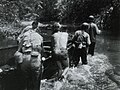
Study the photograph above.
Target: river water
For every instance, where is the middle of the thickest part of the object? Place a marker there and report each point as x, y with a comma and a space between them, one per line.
109, 44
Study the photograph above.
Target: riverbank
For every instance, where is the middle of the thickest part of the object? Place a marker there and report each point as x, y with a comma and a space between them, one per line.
86, 77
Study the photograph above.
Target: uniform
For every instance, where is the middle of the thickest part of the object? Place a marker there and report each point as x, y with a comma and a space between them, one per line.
29, 57
59, 48
93, 31
81, 40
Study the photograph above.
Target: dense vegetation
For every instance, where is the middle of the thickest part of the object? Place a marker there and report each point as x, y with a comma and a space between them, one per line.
64, 11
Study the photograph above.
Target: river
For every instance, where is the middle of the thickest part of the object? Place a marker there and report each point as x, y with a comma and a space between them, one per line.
109, 44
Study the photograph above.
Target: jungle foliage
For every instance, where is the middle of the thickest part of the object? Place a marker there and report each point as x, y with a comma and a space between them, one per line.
64, 11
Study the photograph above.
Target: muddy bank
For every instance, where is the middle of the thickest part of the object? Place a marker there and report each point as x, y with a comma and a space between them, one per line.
86, 77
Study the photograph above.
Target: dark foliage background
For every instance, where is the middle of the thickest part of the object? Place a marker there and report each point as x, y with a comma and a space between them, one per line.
64, 11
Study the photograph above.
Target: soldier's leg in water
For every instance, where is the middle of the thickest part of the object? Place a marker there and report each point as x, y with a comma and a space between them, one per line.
84, 55
71, 52
65, 64
59, 68
91, 48
35, 80
77, 57
29, 83
35, 69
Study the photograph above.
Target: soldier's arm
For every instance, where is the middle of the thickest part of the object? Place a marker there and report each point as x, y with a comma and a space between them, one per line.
97, 29
88, 40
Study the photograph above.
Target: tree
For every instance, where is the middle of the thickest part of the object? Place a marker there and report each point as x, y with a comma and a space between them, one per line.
48, 11
77, 11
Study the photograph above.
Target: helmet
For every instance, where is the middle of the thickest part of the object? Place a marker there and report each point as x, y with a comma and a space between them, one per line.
56, 25
91, 18
84, 26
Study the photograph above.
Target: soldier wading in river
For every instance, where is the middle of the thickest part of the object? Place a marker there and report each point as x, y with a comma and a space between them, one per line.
93, 31
28, 56
81, 40
59, 48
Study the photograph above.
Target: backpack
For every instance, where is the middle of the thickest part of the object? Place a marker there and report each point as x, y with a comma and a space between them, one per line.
81, 41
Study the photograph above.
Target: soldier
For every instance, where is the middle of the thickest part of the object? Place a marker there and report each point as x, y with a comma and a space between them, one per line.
81, 40
59, 48
28, 56
92, 31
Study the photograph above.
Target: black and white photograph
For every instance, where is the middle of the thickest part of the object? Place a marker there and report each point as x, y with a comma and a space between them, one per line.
59, 44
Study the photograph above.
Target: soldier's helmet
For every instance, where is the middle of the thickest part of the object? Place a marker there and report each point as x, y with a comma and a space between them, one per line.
91, 18
56, 26
84, 26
